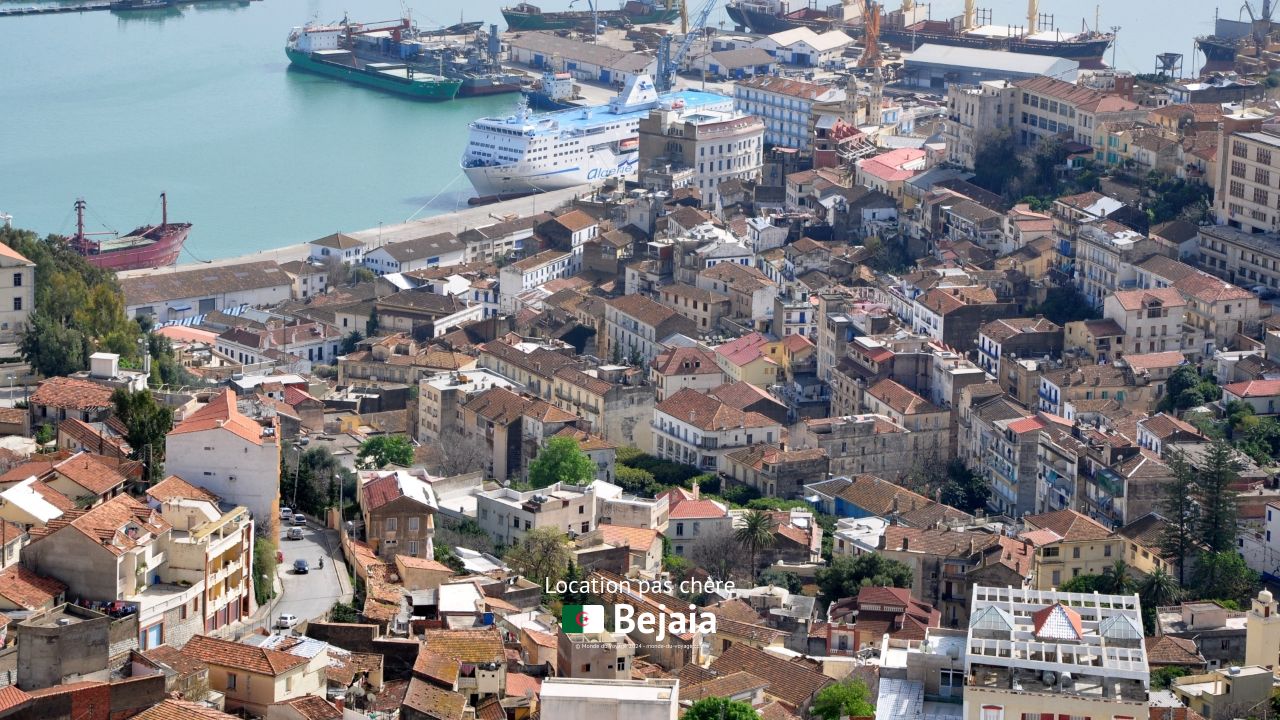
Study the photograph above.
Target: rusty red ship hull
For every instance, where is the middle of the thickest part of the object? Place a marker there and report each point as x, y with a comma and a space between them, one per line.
145, 247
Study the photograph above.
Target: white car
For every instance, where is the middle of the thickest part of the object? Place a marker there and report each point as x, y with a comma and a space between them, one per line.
299, 519
286, 621
295, 533
285, 513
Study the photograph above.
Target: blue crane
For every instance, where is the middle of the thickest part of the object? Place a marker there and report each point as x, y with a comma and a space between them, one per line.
668, 63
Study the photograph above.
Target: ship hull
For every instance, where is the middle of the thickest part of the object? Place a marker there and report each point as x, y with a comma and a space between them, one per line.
512, 180
162, 252
478, 86
1219, 54
539, 100
435, 91
517, 21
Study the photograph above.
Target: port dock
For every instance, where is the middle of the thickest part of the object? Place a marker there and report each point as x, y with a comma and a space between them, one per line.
52, 9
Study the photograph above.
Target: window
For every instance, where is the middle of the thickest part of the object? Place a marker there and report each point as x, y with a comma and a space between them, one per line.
288, 684
1263, 156
17, 279
231, 681
1237, 168
992, 712
17, 303
413, 548
1050, 552
390, 524
1238, 149
1106, 551
1236, 189
413, 523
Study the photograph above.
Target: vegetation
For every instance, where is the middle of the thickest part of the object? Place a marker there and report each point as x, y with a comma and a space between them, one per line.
561, 461
147, 422
847, 698
964, 489
384, 450
1063, 305
264, 569
846, 575
716, 708
1037, 173
444, 554
350, 341
466, 533
343, 613
755, 533
542, 556
1179, 508
664, 472
887, 255
1115, 580
1217, 522
1163, 677
1176, 198
1187, 389
779, 578
635, 480
1158, 589
739, 494
1224, 576
315, 480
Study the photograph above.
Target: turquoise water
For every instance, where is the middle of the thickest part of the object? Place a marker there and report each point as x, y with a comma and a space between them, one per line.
199, 103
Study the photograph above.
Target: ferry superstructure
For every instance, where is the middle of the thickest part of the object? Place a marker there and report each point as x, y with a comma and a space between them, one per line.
532, 152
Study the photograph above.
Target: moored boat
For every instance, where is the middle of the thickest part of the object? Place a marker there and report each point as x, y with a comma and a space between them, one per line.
527, 16
145, 247
317, 49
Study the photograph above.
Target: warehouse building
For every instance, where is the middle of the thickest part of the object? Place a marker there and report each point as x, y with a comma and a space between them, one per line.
585, 61
935, 67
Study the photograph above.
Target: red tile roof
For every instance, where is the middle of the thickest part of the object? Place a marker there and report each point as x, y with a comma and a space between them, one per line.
1253, 388
709, 414
224, 653
221, 412
175, 487
72, 393
26, 589
1069, 525
901, 398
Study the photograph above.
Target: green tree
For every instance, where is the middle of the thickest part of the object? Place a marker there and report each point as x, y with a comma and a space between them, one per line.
1118, 580
718, 708
847, 698
1223, 575
444, 554
350, 341
779, 578
1084, 583
45, 434
996, 167
384, 450
1063, 305
574, 596
755, 533
147, 423
1158, 589
561, 461
964, 489
1215, 475
264, 568
846, 575
542, 556
1179, 508
1163, 677
635, 480
343, 613
314, 479
52, 349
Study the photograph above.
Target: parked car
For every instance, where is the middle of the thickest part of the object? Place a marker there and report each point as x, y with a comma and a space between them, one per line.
285, 513
300, 566
299, 519
295, 533
286, 620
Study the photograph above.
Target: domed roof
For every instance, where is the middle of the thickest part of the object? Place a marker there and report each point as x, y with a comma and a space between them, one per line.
1265, 596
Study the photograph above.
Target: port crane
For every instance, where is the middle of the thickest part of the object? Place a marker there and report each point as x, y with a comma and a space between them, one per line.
669, 63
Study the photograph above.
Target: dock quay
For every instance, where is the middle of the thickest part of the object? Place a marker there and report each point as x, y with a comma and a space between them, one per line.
454, 222
52, 9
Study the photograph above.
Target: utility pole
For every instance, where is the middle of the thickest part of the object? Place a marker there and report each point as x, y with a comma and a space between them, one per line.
1115, 33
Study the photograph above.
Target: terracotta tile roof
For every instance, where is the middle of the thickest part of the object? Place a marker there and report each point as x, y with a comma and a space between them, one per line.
26, 589
1103, 328
741, 278
785, 86
724, 686
72, 393
175, 487
776, 711
709, 414
312, 707
642, 309
107, 524
1151, 361
685, 361
418, 563
1163, 426
86, 470
53, 497
632, 537
520, 685
221, 412
1147, 531
434, 702
752, 631
544, 411
734, 610
380, 492
170, 709
746, 349
1027, 424
12, 254
338, 241
224, 653
1138, 299
943, 543
575, 220
468, 645
789, 682
741, 394
881, 497
12, 697
102, 440
498, 405
901, 399
1069, 525
174, 658
1253, 388
1002, 330
577, 378
1170, 650
586, 441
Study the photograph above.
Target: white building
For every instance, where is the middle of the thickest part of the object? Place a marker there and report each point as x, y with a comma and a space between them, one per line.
439, 250
786, 106
528, 274
172, 294
697, 429
338, 246
508, 514
802, 46
585, 699
17, 292
714, 145
231, 455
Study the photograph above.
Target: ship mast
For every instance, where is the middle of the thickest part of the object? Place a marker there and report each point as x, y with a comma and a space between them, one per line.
164, 211
79, 218
1033, 15
970, 13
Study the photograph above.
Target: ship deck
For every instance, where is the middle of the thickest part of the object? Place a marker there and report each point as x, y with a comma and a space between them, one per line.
594, 115
124, 243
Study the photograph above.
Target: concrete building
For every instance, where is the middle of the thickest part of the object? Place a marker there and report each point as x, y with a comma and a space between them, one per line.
684, 367
231, 455
1152, 320
889, 172
858, 444
713, 145
399, 514
337, 247
17, 293
583, 60
1262, 632
508, 514
254, 678
1027, 650
529, 273
1048, 107
596, 656
1244, 195
635, 326
582, 699
173, 294
939, 67
1225, 693
442, 395
806, 48
775, 472
1221, 635
1017, 337
786, 106
697, 429
693, 519
207, 546
975, 113
439, 250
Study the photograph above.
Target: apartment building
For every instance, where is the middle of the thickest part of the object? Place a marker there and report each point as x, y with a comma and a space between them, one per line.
527, 274
570, 231
252, 679
858, 444
17, 293
1047, 107
693, 518
786, 106
231, 455
1068, 545
500, 240
442, 395
1245, 193
1028, 650
682, 148
635, 326
698, 429
508, 514
1107, 255
1017, 337
399, 514
703, 307
1152, 320
684, 367
611, 401
974, 113
210, 547
601, 656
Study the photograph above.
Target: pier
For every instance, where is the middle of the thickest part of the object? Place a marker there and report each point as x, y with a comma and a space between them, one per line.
52, 9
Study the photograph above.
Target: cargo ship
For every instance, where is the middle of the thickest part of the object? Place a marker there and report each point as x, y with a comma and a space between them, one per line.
126, 5
555, 91
317, 49
909, 28
145, 247
535, 152
473, 62
526, 16
1234, 40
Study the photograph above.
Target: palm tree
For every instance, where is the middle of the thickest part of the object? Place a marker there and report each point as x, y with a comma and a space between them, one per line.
755, 532
1119, 581
1159, 589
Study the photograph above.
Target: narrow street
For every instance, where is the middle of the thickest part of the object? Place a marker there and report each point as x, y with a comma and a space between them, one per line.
309, 595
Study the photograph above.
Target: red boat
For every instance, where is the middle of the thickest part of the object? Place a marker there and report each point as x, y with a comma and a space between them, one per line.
145, 247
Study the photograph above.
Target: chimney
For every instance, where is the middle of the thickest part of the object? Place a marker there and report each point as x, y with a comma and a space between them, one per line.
696, 493
340, 702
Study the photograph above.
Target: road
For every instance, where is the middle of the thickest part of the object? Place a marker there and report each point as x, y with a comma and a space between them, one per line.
311, 595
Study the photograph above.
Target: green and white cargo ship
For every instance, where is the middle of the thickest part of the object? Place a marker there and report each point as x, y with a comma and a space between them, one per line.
322, 49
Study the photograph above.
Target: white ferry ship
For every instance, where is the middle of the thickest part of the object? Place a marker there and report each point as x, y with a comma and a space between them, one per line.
532, 152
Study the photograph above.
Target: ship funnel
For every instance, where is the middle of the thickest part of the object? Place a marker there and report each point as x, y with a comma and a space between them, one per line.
1033, 15
970, 13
